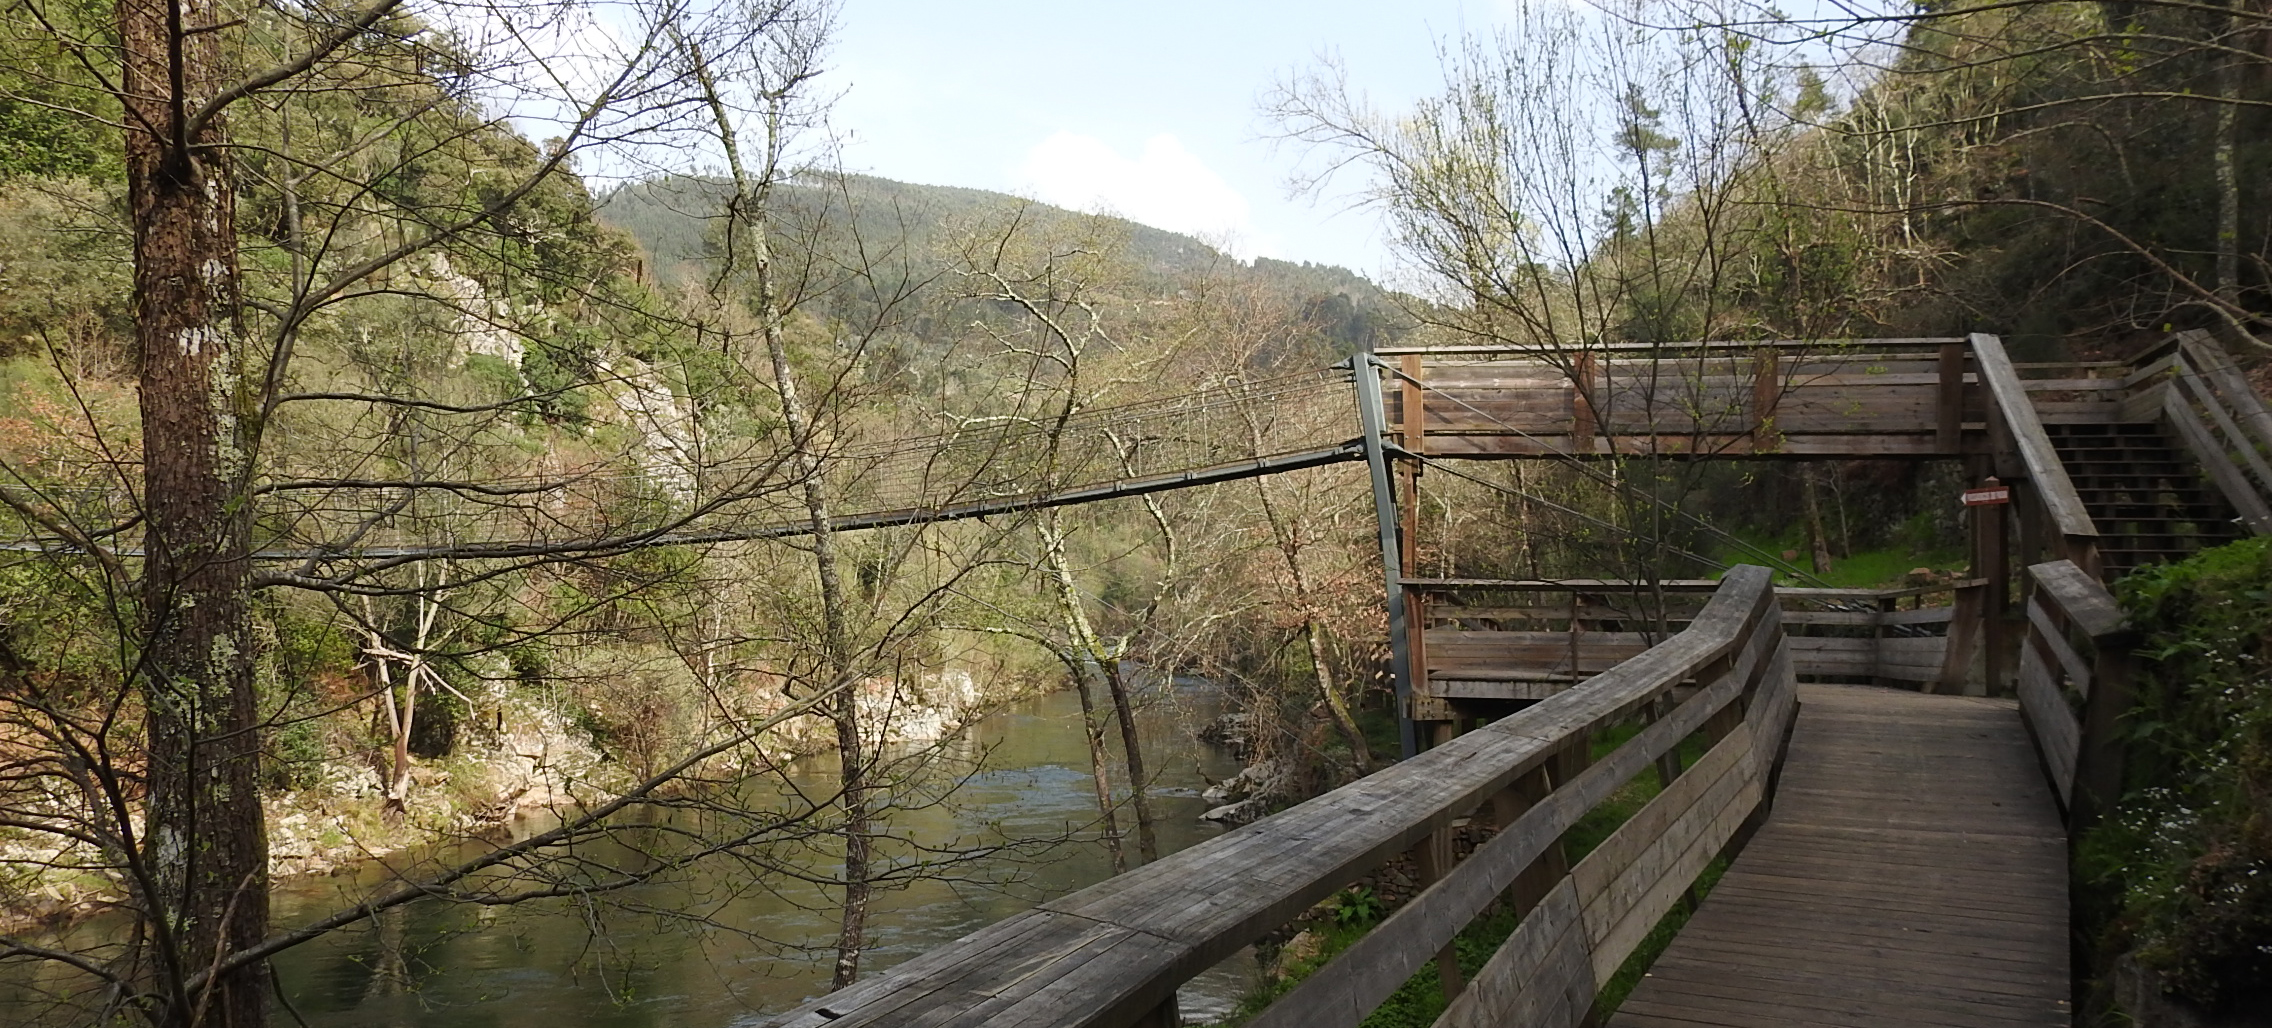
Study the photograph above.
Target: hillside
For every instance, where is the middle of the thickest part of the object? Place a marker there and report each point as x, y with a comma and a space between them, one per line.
672, 219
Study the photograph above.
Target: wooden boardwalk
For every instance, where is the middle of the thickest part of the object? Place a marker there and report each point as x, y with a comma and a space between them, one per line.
1912, 873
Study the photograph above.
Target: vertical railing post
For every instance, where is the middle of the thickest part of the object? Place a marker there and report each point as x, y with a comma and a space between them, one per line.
1411, 438
1948, 428
1365, 374
1766, 391
2098, 756
1991, 560
1583, 423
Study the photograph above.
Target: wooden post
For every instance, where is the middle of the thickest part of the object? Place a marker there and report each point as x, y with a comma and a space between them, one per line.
1432, 857
2083, 550
1668, 762
1416, 643
1766, 389
1412, 420
1411, 434
1991, 561
1582, 422
1965, 624
1535, 881
2098, 760
2028, 521
1948, 436
1167, 1015
1886, 605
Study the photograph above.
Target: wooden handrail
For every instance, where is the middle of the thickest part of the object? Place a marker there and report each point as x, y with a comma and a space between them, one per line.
1114, 953
1682, 585
1687, 585
1689, 346
2007, 396
2201, 351
2234, 442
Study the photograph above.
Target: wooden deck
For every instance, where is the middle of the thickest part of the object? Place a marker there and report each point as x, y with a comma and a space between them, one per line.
1911, 873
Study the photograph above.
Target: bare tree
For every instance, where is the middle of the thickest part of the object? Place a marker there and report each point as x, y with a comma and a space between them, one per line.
2051, 117
377, 146
1589, 197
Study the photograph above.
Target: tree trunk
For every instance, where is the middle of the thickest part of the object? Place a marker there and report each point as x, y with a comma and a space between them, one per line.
204, 880
1132, 749
2226, 159
1334, 702
746, 241
1100, 771
1817, 540
836, 645
401, 717
1083, 638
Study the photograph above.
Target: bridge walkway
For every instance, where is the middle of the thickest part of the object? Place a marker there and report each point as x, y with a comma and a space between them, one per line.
1912, 872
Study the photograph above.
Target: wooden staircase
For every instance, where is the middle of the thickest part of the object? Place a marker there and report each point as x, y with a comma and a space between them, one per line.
2146, 494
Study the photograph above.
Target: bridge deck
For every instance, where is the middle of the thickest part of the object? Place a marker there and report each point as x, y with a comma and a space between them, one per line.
1911, 873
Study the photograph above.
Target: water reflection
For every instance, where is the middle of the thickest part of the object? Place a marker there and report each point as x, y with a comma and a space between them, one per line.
543, 966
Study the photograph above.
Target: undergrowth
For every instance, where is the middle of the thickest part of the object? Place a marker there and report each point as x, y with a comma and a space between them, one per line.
2181, 876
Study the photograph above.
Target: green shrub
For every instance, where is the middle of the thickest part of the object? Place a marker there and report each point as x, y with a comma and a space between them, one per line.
2182, 874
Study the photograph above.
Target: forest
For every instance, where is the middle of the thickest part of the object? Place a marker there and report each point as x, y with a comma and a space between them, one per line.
438, 438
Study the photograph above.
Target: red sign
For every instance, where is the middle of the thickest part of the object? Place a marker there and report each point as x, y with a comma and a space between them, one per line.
1987, 495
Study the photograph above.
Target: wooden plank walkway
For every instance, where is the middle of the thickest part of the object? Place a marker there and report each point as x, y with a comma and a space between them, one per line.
1913, 872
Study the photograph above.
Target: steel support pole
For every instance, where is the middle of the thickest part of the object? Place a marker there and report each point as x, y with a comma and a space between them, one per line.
1365, 374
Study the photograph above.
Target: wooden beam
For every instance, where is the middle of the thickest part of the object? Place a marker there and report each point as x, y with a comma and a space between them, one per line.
2229, 478
1949, 404
1766, 390
1822, 346
1582, 396
2217, 365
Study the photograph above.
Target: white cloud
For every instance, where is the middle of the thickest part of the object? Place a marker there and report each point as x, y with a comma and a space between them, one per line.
1164, 186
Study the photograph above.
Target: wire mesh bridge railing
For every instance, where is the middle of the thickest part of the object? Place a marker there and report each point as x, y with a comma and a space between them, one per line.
970, 466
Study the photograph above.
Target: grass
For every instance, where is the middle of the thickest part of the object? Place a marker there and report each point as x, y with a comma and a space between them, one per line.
1417, 1003
1883, 567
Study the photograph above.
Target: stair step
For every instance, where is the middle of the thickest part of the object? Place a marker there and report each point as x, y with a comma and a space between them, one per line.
2162, 519
2138, 446
2145, 492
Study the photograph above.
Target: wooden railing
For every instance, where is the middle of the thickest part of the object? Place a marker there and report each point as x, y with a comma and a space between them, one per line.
1848, 397
1113, 954
2022, 449
2074, 685
1521, 639
2224, 423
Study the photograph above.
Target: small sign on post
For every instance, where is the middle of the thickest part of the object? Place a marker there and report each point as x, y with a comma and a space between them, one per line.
1990, 491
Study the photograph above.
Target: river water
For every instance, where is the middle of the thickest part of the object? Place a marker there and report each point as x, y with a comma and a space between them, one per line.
550, 965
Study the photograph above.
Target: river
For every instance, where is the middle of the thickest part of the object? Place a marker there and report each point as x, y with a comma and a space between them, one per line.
544, 965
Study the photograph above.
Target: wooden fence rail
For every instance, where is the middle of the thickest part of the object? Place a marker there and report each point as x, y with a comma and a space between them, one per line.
1114, 953
2224, 423
1521, 639
2074, 684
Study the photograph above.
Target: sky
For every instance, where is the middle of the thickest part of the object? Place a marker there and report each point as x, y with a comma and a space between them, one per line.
1150, 110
